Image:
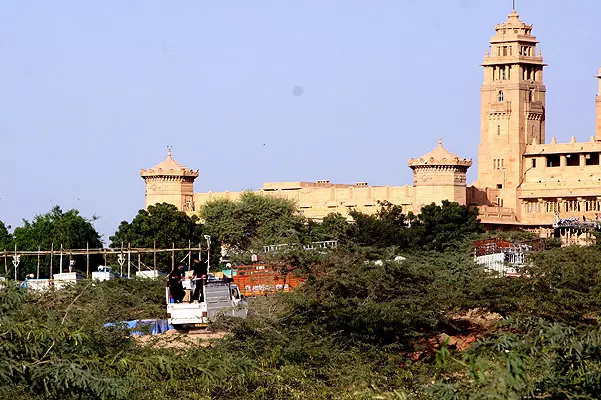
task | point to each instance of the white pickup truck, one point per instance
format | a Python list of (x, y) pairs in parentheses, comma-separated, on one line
[(216, 298)]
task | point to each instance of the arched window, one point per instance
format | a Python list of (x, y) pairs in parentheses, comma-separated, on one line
[(500, 96)]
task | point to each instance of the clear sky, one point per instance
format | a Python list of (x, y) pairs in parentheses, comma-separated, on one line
[(93, 91)]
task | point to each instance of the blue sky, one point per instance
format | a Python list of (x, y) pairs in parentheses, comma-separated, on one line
[(93, 91)]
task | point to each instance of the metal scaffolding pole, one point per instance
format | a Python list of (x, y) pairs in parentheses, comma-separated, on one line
[(51, 259), (87, 259), (38, 271)]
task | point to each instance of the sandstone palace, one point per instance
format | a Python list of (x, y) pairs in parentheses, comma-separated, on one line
[(523, 181)]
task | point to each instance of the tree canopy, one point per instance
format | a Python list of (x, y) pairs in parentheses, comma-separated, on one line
[(52, 230), (6, 239), (68, 229), (161, 223), (271, 220), (437, 227)]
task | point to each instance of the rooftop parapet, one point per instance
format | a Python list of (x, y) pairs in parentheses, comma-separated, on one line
[(440, 157), (169, 167)]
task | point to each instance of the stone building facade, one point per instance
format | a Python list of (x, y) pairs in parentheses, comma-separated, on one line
[(523, 181)]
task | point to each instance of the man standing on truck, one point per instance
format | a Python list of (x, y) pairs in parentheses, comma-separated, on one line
[(197, 274), (175, 284)]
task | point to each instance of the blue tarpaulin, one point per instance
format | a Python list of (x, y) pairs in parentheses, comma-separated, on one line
[(139, 327)]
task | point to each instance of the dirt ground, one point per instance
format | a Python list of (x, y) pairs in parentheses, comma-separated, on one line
[(469, 328), (173, 339)]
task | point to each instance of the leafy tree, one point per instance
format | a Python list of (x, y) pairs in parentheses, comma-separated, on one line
[(438, 227), (55, 228), (385, 302), (268, 219), (535, 359), (565, 280), (334, 226), (161, 224), (383, 229), (6, 239)]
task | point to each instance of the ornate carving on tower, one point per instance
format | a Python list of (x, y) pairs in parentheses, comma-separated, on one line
[(170, 182), (439, 175)]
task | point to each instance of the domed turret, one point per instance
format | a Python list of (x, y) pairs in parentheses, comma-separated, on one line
[(439, 175), (170, 182)]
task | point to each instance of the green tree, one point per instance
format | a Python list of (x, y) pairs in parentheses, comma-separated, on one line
[(385, 228), (270, 220), (334, 226), (6, 239), (161, 224), (438, 227), (565, 280), (55, 228)]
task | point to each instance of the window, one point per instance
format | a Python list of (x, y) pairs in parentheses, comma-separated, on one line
[(498, 130), (573, 160), (553, 160), (503, 74), (592, 159), (499, 186), (500, 96), (534, 163), (530, 95)]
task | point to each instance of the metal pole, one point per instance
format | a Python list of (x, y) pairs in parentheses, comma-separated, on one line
[(139, 262), (120, 263), (189, 255), (87, 260), (38, 271), (61, 260), (173, 256), (5, 264), (154, 252), (51, 259), (208, 238), (15, 264), (128, 260)]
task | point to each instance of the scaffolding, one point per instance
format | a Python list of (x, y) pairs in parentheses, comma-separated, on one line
[(328, 244), (126, 256), (502, 256)]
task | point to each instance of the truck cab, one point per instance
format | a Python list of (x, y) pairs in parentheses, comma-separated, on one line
[(215, 297)]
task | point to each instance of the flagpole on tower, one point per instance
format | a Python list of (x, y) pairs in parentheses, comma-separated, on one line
[(513, 5)]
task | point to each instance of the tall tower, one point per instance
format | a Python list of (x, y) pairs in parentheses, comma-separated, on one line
[(439, 175), (598, 114), (170, 182), (512, 108)]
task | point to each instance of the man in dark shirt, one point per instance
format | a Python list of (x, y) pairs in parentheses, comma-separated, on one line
[(197, 274), (175, 284)]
